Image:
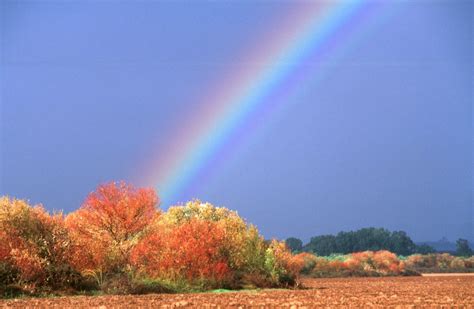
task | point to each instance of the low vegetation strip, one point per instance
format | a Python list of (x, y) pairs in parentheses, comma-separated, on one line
[(382, 263)]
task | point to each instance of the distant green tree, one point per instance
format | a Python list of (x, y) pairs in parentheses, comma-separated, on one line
[(294, 244), (401, 244), (322, 245), (424, 249), (462, 247), (361, 240), (370, 239)]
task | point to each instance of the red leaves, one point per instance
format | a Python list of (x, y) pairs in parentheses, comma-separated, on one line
[(106, 226), (439, 262), (195, 248), (383, 262), (190, 250), (118, 210), (365, 263), (291, 264), (118, 231), (32, 241), (4, 246)]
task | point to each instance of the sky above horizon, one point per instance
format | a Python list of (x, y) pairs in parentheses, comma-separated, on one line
[(94, 91)]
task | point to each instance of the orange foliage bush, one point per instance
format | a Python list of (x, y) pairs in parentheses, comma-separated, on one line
[(283, 266), (380, 262), (236, 231), (324, 267), (4, 246), (191, 250), (107, 226), (308, 261), (367, 263), (36, 244), (198, 242), (439, 262)]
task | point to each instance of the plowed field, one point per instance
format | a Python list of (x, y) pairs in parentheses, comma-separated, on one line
[(445, 291)]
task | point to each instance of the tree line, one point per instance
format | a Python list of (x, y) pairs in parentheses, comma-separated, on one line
[(364, 239)]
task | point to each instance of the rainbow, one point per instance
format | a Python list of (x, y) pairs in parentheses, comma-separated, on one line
[(309, 30)]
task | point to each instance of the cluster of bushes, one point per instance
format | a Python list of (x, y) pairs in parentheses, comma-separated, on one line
[(439, 263), (118, 241), (366, 239), (360, 264), (381, 263)]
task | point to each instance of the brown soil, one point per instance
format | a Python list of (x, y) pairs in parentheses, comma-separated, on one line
[(446, 291)]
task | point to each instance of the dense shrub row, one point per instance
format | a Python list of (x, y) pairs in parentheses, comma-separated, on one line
[(381, 263), (439, 263), (367, 263), (118, 241)]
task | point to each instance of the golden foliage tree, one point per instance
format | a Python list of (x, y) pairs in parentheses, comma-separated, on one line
[(35, 243)]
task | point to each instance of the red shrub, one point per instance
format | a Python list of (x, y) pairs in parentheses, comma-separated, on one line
[(308, 261), (191, 250), (35, 243), (107, 226), (386, 262), (4, 246)]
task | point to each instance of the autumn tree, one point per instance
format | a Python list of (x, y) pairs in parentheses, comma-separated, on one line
[(108, 224)]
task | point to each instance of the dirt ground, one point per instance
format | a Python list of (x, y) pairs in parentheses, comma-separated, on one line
[(403, 292)]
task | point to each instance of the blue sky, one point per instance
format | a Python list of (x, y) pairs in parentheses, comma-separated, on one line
[(90, 88)]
